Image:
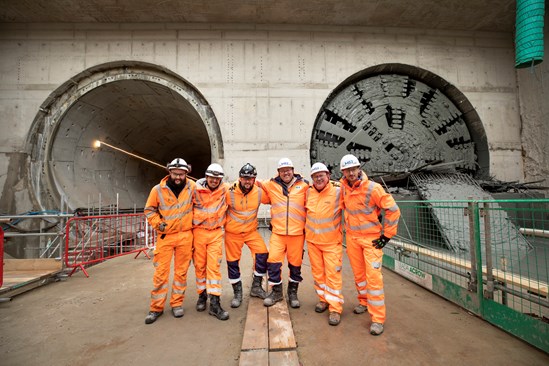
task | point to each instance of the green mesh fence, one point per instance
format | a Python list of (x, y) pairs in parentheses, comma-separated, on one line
[(489, 256)]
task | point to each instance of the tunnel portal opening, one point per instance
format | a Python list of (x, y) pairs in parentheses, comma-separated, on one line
[(153, 115), (398, 119)]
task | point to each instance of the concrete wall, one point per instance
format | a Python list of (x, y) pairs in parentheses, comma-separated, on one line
[(534, 113), (265, 84)]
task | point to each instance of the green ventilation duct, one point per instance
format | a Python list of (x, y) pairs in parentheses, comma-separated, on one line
[(529, 33)]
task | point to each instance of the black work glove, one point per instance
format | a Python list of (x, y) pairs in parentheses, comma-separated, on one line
[(381, 242), (162, 226)]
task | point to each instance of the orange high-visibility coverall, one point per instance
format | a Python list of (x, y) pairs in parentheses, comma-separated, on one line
[(363, 203), (241, 228), (208, 219), (288, 224), (324, 237), (176, 240)]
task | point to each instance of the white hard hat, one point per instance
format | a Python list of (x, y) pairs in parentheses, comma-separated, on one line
[(319, 167), (178, 164), (215, 170), (285, 163), (349, 161)]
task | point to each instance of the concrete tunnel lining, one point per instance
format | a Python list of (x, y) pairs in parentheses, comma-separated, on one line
[(150, 114)]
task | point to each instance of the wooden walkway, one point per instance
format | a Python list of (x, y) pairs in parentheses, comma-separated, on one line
[(20, 275), (272, 345)]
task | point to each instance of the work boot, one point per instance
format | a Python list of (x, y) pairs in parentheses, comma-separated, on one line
[(275, 296), (292, 294), (202, 299), (152, 316), (257, 288), (334, 318), (360, 309), (376, 329), (321, 307), (237, 300), (216, 309), (178, 311)]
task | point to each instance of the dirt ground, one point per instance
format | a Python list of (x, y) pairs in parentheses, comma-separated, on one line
[(100, 321)]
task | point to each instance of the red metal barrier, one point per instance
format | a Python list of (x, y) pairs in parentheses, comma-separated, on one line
[(1, 257), (93, 239)]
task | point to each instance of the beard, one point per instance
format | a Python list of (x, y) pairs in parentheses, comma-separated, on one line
[(173, 183), (244, 189)]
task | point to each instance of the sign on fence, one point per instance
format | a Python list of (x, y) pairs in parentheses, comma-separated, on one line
[(414, 274)]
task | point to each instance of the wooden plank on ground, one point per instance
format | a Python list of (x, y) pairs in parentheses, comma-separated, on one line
[(283, 358), (32, 264), (256, 357), (12, 278), (256, 332), (281, 334), (17, 282)]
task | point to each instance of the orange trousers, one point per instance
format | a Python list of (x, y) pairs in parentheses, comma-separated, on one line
[(180, 247), (326, 262), (207, 257), (366, 264), (279, 246), (233, 252)]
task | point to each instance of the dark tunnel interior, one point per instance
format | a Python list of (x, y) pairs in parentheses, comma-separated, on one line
[(138, 116)]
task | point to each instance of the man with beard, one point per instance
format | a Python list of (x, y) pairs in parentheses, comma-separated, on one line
[(244, 198), (209, 210), (367, 232), (169, 211), (286, 194)]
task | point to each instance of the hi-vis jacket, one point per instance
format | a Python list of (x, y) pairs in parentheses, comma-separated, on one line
[(209, 206), (163, 206), (287, 205), (243, 208), (363, 204), (323, 225)]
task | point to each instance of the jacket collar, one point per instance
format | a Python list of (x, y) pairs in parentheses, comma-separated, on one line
[(297, 178)]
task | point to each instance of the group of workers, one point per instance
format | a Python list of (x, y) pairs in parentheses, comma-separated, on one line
[(193, 220)]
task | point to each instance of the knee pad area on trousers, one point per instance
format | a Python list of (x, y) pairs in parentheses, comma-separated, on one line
[(261, 262), (295, 273), (274, 270), (234, 270)]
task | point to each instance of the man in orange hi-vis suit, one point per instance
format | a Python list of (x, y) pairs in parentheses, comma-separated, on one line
[(364, 201), (325, 241), (286, 194), (209, 211), (169, 211), (244, 198)]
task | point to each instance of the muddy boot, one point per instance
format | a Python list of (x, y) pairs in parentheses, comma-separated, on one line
[(376, 329), (202, 299), (237, 300), (275, 296), (257, 288), (152, 316), (216, 309), (292, 294), (360, 309), (334, 318)]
